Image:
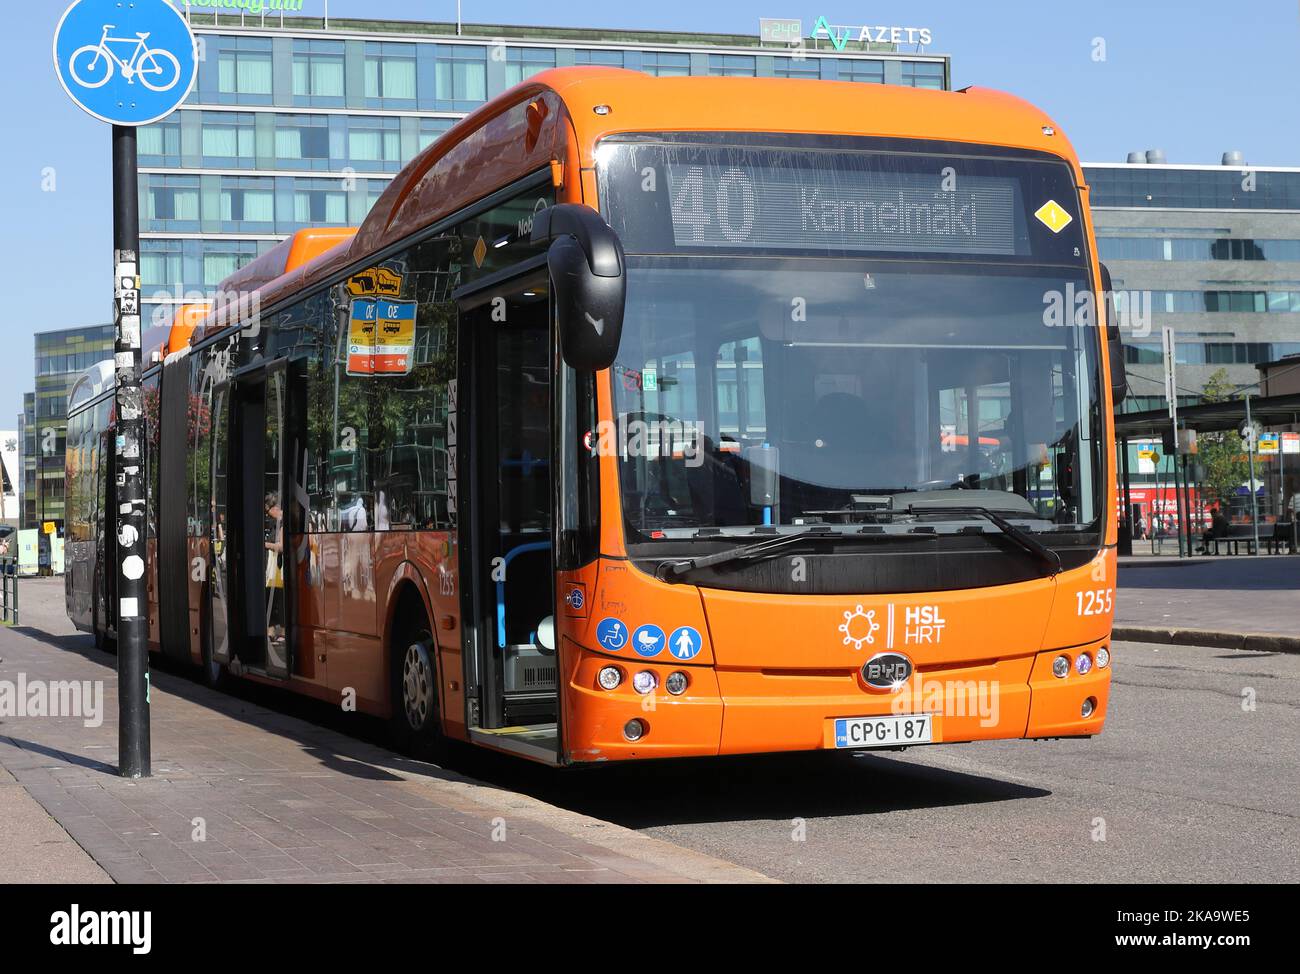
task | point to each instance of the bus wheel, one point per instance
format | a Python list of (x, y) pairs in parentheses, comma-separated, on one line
[(415, 719)]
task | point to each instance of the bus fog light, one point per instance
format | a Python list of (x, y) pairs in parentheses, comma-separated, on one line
[(634, 730), (676, 683), (1061, 667), (1088, 707), (609, 677), (1103, 657), (645, 682), (1083, 664)]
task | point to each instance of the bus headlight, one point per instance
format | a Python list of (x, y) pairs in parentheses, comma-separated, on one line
[(1083, 663), (1088, 707), (609, 677), (676, 683), (634, 730), (1103, 657), (644, 682), (1061, 667)]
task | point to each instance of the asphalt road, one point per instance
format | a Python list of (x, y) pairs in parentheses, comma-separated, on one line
[(1189, 785)]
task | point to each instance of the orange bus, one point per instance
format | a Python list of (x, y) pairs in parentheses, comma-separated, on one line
[(661, 417)]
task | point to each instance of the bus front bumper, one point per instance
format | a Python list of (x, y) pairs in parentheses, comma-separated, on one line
[(727, 711)]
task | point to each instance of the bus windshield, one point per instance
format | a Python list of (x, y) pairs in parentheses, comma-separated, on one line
[(829, 335)]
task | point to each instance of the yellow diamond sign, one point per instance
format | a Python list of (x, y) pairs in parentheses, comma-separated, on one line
[(480, 251), (1053, 216)]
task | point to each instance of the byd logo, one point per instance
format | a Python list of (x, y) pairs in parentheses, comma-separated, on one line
[(886, 671)]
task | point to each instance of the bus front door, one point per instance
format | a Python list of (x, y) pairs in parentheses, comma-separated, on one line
[(506, 370)]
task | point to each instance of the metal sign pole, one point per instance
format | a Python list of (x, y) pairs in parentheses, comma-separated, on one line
[(1250, 454), (132, 647)]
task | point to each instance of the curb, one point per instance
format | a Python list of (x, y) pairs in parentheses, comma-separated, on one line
[(1259, 642)]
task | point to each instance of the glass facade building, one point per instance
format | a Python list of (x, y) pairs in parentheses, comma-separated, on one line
[(1212, 251), (61, 357), (291, 124)]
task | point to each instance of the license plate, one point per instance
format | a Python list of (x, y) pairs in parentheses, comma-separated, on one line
[(893, 730)]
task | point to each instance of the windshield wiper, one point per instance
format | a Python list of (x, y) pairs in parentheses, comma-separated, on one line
[(1020, 536), (672, 571)]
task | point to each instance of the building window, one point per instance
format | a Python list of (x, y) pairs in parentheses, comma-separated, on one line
[(317, 73), (923, 74), (160, 265), (732, 65), (374, 140), (788, 67), (608, 59), (390, 74), (228, 140), (460, 77), (665, 64), (219, 265), (312, 206), (524, 62), (244, 72), (247, 205), (172, 203), (160, 143), (302, 141), (869, 72)]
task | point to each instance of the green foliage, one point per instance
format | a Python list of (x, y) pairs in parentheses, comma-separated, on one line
[(1222, 455)]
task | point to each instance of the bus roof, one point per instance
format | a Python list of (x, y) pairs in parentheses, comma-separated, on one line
[(305, 247), (534, 122), (288, 254), (552, 116)]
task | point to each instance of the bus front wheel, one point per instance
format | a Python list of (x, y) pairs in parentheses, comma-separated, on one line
[(415, 720)]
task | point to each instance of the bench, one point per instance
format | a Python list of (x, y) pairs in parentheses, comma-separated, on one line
[(1239, 533)]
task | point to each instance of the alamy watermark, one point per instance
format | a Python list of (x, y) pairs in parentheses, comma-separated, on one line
[(53, 698)]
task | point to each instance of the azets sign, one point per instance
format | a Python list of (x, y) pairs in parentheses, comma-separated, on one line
[(839, 35)]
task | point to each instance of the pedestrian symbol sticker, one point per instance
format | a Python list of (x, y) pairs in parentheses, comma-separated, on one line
[(648, 640), (1053, 216), (611, 634), (685, 643)]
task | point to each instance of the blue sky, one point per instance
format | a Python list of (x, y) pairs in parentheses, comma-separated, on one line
[(1193, 78)]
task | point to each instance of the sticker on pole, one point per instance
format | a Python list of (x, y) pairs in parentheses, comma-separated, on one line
[(126, 62)]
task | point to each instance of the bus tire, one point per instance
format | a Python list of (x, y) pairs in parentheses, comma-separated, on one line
[(415, 721)]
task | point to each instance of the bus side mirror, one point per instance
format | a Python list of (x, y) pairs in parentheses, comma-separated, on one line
[(1114, 344), (588, 283)]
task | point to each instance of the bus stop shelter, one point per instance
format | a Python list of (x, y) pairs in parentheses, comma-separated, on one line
[(1210, 417)]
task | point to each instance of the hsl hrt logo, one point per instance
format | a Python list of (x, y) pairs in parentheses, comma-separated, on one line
[(922, 624)]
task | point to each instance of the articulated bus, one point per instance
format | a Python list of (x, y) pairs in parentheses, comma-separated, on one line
[(661, 417)]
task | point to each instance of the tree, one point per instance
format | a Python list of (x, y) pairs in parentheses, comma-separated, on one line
[(1222, 455)]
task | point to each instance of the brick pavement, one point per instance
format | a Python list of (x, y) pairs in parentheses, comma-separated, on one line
[(284, 800)]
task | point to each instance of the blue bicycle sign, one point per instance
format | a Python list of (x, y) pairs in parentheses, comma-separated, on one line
[(128, 62)]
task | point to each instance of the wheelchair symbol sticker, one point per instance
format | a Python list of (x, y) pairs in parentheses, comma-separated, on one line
[(648, 640), (611, 634), (685, 643)]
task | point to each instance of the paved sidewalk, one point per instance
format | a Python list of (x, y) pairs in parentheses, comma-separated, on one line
[(277, 799), (1234, 602)]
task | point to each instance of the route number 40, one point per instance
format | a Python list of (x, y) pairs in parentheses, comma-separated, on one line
[(1096, 602)]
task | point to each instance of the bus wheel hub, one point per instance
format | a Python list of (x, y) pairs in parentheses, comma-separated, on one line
[(417, 684)]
